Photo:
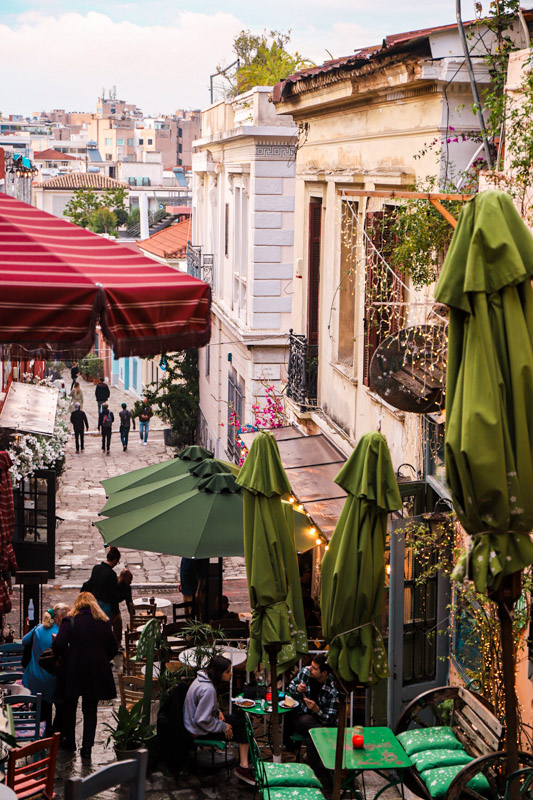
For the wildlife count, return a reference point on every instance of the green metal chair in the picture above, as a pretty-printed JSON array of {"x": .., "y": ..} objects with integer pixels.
[
  {"x": 280, "y": 781},
  {"x": 220, "y": 745}
]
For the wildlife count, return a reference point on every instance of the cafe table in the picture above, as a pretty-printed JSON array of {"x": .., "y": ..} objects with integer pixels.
[
  {"x": 160, "y": 602},
  {"x": 382, "y": 753}
]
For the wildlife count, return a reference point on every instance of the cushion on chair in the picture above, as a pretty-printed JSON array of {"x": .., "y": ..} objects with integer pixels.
[
  {"x": 220, "y": 744},
  {"x": 439, "y": 738},
  {"x": 290, "y": 775},
  {"x": 434, "y": 759},
  {"x": 438, "y": 782},
  {"x": 296, "y": 793}
]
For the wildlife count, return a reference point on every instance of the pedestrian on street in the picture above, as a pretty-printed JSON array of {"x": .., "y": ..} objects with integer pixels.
[
  {"x": 89, "y": 645},
  {"x": 35, "y": 678},
  {"x": 76, "y": 395},
  {"x": 74, "y": 372},
  {"x": 124, "y": 594},
  {"x": 145, "y": 414},
  {"x": 106, "y": 419},
  {"x": 80, "y": 425},
  {"x": 103, "y": 583},
  {"x": 102, "y": 394},
  {"x": 125, "y": 421}
]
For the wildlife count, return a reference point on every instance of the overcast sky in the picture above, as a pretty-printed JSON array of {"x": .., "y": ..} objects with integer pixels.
[{"x": 160, "y": 53}]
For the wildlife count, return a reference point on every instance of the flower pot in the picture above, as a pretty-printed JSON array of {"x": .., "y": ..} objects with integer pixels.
[{"x": 124, "y": 755}]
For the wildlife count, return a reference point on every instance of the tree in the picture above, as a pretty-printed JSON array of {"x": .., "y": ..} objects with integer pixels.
[
  {"x": 103, "y": 221},
  {"x": 264, "y": 60},
  {"x": 84, "y": 203},
  {"x": 177, "y": 395}
]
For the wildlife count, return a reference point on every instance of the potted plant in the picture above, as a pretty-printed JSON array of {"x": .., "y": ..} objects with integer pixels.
[
  {"x": 175, "y": 397},
  {"x": 130, "y": 731}
]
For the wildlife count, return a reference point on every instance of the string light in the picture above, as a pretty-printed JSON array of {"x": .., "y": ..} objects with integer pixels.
[
  {"x": 291, "y": 500},
  {"x": 300, "y": 507}
]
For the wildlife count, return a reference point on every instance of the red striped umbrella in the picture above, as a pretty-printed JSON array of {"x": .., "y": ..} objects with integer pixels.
[{"x": 58, "y": 281}]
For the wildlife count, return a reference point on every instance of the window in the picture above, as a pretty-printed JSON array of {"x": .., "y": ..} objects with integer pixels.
[
  {"x": 383, "y": 287},
  {"x": 313, "y": 283},
  {"x": 207, "y": 356},
  {"x": 226, "y": 230},
  {"x": 180, "y": 148},
  {"x": 130, "y": 142},
  {"x": 109, "y": 142},
  {"x": 240, "y": 251},
  {"x": 141, "y": 141},
  {"x": 109, "y": 157},
  {"x": 150, "y": 141},
  {"x": 236, "y": 393},
  {"x": 120, "y": 142},
  {"x": 347, "y": 285}
]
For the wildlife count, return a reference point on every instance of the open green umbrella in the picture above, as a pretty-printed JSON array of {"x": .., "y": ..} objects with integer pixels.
[
  {"x": 271, "y": 566},
  {"x": 353, "y": 574},
  {"x": 191, "y": 516},
  {"x": 171, "y": 468},
  {"x": 486, "y": 282}
]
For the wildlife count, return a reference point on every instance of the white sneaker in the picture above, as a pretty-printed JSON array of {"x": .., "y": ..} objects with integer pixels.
[{"x": 145, "y": 443}]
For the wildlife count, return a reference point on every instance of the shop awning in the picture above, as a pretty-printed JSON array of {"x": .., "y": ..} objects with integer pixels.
[
  {"x": 59, "y": 281},
  {"x": 30, "y": 409},
  {"x": 311, "y": 464}
]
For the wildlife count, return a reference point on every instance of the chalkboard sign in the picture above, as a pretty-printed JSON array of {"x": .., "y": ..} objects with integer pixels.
[{"x": 408, "y": 369}]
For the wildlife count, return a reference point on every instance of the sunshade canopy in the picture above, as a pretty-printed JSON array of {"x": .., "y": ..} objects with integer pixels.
[
  {"x": 270, "y": 555},
  {"x": 59, "y": 281},
  {"x": 188, "y": 515},
  {"x": 353, "y": 568},
  {"x": 486, "y": 281}
]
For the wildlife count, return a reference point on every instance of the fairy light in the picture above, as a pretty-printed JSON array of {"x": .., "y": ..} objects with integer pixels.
[
  {"x": 313, "y": 531},
  {"x": 292, "y": 500},
  {"x": 300, "y": 507}
]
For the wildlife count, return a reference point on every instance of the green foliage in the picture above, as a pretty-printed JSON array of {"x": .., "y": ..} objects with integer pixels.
[
  {"x": 422, "y": 235},
  {"x": 92, "y": 366},
  {"x": 129, "y": 731},
  {"x": 84, "y": 204},
  {"x": 177, "y": 395},
  {"x": 205, "y": 641},
  {"x": 264, "y": 60},
  {"x": 134, "y": 216},
  {"x": 103, "y": 221}
]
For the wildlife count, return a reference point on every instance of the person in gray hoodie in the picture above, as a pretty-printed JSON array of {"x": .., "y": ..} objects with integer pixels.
[{"x": 203, "y": 718}]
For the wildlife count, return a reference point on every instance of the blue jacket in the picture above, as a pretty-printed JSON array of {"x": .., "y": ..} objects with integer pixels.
[{"x": 35, "y": 678}]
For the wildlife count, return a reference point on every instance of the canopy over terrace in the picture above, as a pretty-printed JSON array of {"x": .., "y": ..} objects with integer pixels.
[
  {"x": 311, "y": 464},
  {"x": 59, "y": 281}
]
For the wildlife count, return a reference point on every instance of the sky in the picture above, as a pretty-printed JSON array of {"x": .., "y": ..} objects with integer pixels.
[{"x": 160, "y": 53}]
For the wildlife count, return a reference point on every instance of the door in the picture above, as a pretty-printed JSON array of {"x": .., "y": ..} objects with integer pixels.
[
  {"x": 126, "y": 374},
  {"x": 313, "y": 286}
]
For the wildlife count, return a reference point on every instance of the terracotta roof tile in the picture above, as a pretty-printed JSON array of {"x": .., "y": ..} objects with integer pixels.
[
  {"x": 53, "y": 155},
  {"x": 171, "y": 242},
  {"x": 81, "y": 180}
]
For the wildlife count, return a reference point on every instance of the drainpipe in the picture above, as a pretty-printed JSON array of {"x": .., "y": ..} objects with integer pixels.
[{"x": 473, "y": 83}]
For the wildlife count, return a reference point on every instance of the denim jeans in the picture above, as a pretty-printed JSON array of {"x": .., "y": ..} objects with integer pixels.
[
  {"x": 124, "y": 433},
  {"x": 143, "y": 428}
]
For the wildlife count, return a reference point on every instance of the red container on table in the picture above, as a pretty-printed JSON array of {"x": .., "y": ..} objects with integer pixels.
[
  {"x": 268, "y": 697},
  {"x": 358, "y": 738}
]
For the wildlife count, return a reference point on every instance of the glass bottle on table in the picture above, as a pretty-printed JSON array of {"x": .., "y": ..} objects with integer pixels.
[{"x": 261, "y": 687}]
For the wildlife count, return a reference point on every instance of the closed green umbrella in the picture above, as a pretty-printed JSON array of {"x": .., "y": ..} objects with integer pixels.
[
  {"x": 486, "y": 282},
  {"x": 271, "y": 566},
  {"x": 353, "y": 574}
]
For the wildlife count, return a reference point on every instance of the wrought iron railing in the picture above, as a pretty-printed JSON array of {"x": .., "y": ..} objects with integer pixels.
[
  {"x": 200, "y": 265},
  {"x": 302, "y": 371}
]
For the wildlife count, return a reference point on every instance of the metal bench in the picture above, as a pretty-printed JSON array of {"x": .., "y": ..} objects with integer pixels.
[{"x": 478, "y": 730}]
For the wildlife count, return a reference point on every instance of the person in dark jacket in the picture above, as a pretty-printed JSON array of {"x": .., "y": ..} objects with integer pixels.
[
  {"x": 74, "y": 372},
  {"x": 88, "y": 645},
  {"x": 106, "y": 419},
  {"x": 124, "y": 594},
  {"x": 101, "y": 393},
  {"x": 145, "y": 415},
  {"x": 103, "y": 583},
  {"x": 126, "y": 420},
  {"x": 79, "y": 422}
]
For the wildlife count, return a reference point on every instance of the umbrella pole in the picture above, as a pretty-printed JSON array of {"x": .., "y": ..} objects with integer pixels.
[
  {"x": 339, "y": 750},
  {"x": 506, "y": 596},
  {"x": 273, "y": 650}
]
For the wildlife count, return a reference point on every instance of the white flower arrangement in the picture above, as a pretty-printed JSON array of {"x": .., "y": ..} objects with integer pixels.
[{"x": 33, "y": 451}]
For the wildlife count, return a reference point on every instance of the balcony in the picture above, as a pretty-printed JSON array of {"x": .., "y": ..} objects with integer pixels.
[
  {"x": 200, "y": 265},
  {"x": 302, "y": 371}
]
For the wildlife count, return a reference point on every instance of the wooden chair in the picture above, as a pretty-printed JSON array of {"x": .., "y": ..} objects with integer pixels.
[
  {"x": 141, "y": 615},
  {"x": 11, "y": 657},
  {"x": 182, "y": 611},
  {"x": 132, "y": 771},
  {"x": 26, "y": 709},
  {"x": 232, "y": 628},
  {"x": 174, "y": 628},
  {"x": 131, "y": 689},
  {"x": 33, "y": 777}
]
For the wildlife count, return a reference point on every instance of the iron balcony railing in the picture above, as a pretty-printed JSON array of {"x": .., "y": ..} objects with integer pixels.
[
  {"x": 200, "y": 265},
  {"x": 302, "y": 371}
]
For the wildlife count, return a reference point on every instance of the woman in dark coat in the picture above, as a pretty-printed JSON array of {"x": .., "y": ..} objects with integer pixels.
[{"x": 86, "y": 640}]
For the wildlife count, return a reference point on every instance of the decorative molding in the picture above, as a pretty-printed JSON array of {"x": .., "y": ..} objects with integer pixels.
[{"x": 280, "y": 152}]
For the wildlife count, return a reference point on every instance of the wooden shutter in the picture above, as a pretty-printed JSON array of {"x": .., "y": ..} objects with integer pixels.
[{"x": 313, "y": 288}]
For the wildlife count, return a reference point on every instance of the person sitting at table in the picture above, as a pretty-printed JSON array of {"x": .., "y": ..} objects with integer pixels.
[
  {"x": 224, "y": 612},
  {"x": 204, "y": 720},
  {"x": 317, "y": 707},
  {"x": 35, "y": 678}
]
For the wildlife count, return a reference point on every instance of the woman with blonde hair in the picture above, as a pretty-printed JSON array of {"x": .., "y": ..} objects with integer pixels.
[
  {"x": 76, "y": 395},
  {"x": 87, "y": 645},
  {"x": 35, "y": 678}
]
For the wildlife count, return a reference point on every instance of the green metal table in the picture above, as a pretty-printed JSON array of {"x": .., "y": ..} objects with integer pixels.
[{"x": 382, "y": 754}]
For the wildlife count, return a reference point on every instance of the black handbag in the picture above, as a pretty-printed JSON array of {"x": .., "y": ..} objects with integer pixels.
[
  {"x": 26, "y": 653},
  {"x": 50, "y": 662}
]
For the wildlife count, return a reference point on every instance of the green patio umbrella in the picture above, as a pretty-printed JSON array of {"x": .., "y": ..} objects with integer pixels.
[
  {"x": 191, "y": 516},
  {"x": 353, "y": 575},
  {"x": 271, "y": 566},
  {"x": 171, "y": 468},
  {"x": 486, "y": 282}
]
